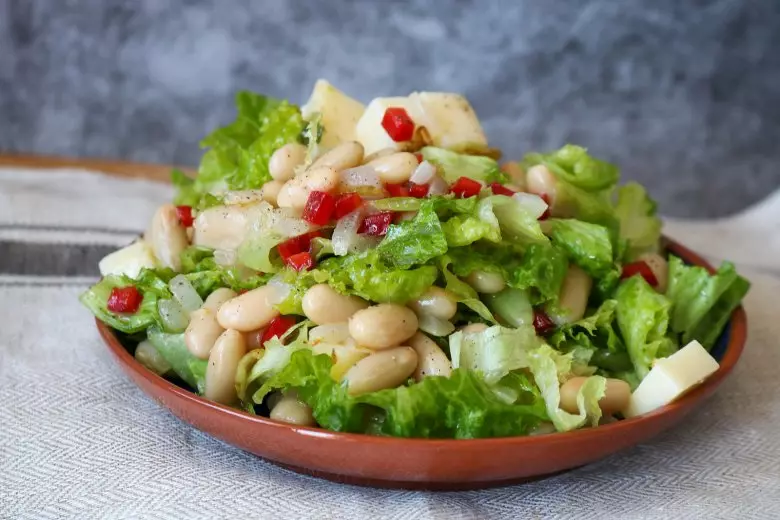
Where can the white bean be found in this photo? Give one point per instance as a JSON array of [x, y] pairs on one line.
[[283, 161], [473, 328], [516, 173], [541, 181], [332, 333], [270, 191], [431, 359], [616, 395], [221, 369], [436, 302], [346, 155], [225, 227], [395, 168], [295, 192], [574, 295], [383, 326], [290, 410], [660, 268], [486, 282], [323, 304], [386, 369], [167, 236], [215, 300], [250, 311], [202, 332]]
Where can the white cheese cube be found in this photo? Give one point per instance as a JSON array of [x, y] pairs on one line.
[[340, 113], [450, 120], [670, 378], [369, 130], [129, 260]]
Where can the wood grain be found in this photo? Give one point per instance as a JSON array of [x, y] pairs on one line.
[[155, 172]]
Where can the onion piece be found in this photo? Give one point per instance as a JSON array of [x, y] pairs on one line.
[[288, 226], [232, 198], [423, 173], [533, 204], [173, 316], [365, 175], [281, 290], [435, 326], [336, 333], [184, 293], [225, 257], [148, 356], [438, 186], [345, 234]]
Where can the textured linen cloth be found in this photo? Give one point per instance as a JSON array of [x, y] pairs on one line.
[[79, 440]]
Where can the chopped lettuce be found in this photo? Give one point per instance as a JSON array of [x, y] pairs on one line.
[[511, 306], [172, 348], [541, 270], [643, 319], [463, 291], [461, 406], [516, 223], [640, 227], [414, 241], [453, 165], [702, 302], [495, 351], [587, 245], [573, 165]]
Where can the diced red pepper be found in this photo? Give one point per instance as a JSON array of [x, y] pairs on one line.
[[376, 224], [500, 189], [546, 214], [300, 261], [542, 322], [184, 213], [124, 299], [465, 187], [420, 157], [346, 204], [398, 125], [277, 328], [319, 208], [642, 269], [297, 244], [397, 190], [418, 191]]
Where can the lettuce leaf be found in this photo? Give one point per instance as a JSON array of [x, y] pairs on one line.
[[461, 406], [702, 303], [541, 271], [587, 245], [643, 319], [573, 165], [640, 227], [415, 241], [453, 165], [172, 348], [494, 352], [463, 291]]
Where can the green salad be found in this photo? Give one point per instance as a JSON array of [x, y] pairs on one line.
[[375, 269]]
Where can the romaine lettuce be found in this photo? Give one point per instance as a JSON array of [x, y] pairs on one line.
[[453, 165], [174, 350], [640, 227], [541, 271], [414, 241], [587, 245]]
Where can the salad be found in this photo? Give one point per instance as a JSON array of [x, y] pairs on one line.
[[375, 269]]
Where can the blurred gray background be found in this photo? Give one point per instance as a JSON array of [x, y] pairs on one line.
[[684, 95]]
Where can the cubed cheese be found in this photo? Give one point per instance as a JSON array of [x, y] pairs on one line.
[[129, 260], [340, 113], [670, 378], [369, 130], [450, 120]]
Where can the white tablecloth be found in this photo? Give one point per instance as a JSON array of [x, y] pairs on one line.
[[78, 440]]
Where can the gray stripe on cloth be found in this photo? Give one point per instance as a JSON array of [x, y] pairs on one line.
[[42, 259], [79, 229]]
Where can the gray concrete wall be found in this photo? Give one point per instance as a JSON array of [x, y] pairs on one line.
[[684, 95]]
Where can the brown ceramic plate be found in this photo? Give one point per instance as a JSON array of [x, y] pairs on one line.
[[421, 463]]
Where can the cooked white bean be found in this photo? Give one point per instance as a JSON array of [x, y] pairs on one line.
[[167, 236], [221, 369], [395, 168], [541, 181], [241, 197], [516, 173], [290, 410], [215, 300], [436, 302], [283, 161], [323, 304], [386, 369], [250, 311], [295, 192], [346, 155], [574, 295], [431, 359], [270, 191], [485, 282], [616, 395], [379, 153], [660, 268], [472, 328], [383, 326], [202, 332], [254, 339], [150, 357], [225, 227], [332, 333]]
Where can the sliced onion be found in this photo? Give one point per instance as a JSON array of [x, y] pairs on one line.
[[225, 257], [148, 356], [438, 186], [533, 204], [282, 290], [345, 234], [336, 333], [435, 326], [173, 316], [365, 175], [423, 173], [288, 226], [185, 294], [242, 197]]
